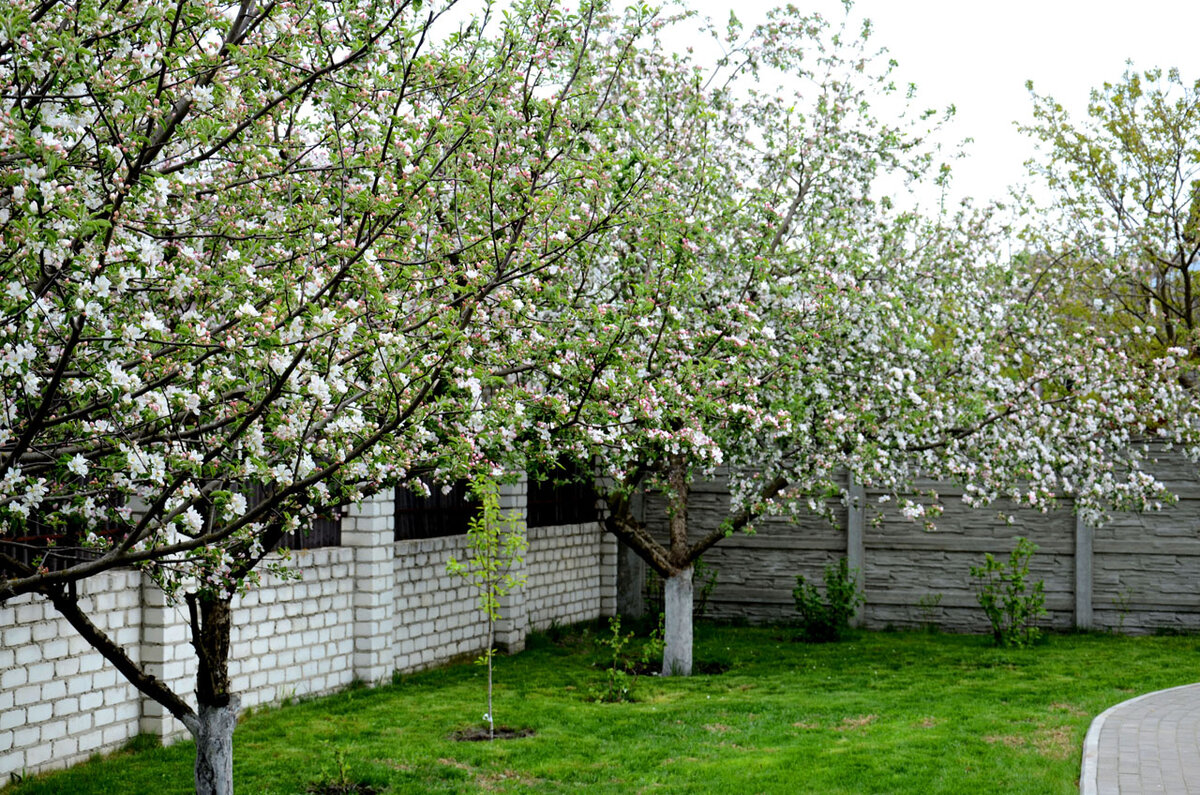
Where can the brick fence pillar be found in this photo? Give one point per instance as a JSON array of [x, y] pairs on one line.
[[166, 655], [608, 573], [514, 620], [369, 529]]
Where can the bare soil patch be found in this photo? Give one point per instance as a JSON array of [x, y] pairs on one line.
[[481, 734]]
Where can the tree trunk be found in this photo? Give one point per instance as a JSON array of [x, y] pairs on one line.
[[212, 727], [213, 731], [677, 601], [677, 634]]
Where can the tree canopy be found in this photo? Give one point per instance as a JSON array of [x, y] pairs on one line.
[[1125, 188], [773, 315], [264, 259]]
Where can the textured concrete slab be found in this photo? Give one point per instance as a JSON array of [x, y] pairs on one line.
[[1147, 744]]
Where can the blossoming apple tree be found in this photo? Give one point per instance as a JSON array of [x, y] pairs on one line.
[[774, 318], [1125, 206], [260, 259]]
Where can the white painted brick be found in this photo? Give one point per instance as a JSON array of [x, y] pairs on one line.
[[38, 754], [27, 736], [68, 666], [66, 747], [128, 710], [90, 741], [15, 637], [80, 684], [77, 645], [14, 677], [12, 717], [39, 712], [66, 706], [12, 763], [126, 636], [78, 724], [53, 730], [104, 678], [115, 734], [174, 670], [46, 630], [27, 695], [54, 649], [91, 662], [54, 690]]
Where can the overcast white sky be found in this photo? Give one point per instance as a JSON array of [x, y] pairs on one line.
[[977, 55]]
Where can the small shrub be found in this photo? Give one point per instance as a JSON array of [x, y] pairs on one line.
[[1010, 604], [623, 670], [928, 606], [339, 781], [1122, 602], [826, 619]]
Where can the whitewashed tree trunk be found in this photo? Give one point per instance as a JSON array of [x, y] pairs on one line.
[[677, 633], [212, 727]]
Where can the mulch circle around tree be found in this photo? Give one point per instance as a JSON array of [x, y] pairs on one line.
[[480, 734], [709, 668]]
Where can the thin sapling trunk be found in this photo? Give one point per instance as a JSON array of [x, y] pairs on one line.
[[495, 544]]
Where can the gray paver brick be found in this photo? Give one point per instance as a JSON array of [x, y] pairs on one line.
[[1147, 744]]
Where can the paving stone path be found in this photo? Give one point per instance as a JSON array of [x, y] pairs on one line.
[[1147, 744]]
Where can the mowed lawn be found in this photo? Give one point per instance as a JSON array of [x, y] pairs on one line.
[[881, 712]]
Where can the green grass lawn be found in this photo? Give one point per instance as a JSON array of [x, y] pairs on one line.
[[881, 712]]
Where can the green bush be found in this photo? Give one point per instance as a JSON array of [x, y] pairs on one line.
[[1011, 606], [825, 619], [624, 667]]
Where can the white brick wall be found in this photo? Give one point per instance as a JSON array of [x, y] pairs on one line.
[[293, 638], [566, 568], [362, 610], [437, 615], [60, 701]]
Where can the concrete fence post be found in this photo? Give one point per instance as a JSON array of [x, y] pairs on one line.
[[369, 529], [1084, 535], [855, 545], [631, 569]]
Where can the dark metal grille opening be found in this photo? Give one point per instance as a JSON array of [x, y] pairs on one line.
[[59, 545], [567, 497], [58, 549], [439, 514], [324, 531]]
